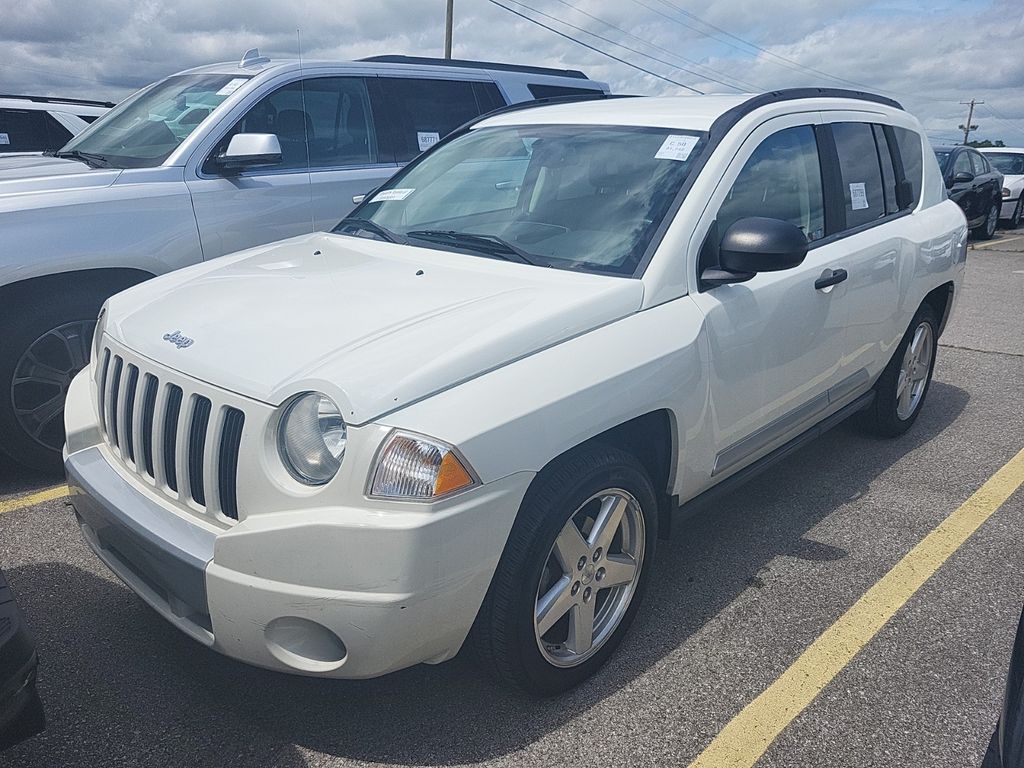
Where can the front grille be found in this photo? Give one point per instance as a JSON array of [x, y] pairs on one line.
[[180, 441]]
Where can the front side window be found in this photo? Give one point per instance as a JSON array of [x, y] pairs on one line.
[[580, 197], [861, 173], [1007, 163], [980, 166], [329, 115], [781, 180], [143, 131], [962, 164]]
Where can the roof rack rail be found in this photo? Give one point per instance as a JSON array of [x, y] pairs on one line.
[[521, 105], [59, 100], [789, 94], [468, 64]]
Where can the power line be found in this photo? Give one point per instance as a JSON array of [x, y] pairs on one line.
[[605, 39], [1002, 120], [744, 83]]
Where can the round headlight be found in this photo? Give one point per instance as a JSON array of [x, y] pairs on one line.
[[311, 438]]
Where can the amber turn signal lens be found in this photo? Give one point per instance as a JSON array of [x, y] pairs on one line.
[[451, 476]]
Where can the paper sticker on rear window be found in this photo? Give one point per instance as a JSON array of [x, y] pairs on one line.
[[677, 147], [232, 85], [392, 194], [858, 196], [4, 138], [427, 139]]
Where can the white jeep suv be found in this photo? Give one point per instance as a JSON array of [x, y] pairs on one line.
[[472, 409]]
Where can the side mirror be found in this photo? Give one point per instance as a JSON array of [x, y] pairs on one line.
[[964, 177], [250, 150], [756, 244]]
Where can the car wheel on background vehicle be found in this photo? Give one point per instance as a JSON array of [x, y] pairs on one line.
[[44, 349], [903, 385], [573, 572], [988, 227], [1018, 212]]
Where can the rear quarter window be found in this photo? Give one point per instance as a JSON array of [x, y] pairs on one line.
[[909, 144]]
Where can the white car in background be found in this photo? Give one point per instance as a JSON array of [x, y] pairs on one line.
[[1010, 162], [35, 124], [477, 403]]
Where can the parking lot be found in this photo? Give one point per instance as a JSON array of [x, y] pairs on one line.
[[738, 594]]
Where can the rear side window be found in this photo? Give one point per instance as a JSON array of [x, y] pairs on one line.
[[861, 173], [29, 130], [781, 180], [909, 145], [547, 91], [416, 113]]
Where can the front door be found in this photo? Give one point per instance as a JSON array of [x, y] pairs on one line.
[[774, 341]]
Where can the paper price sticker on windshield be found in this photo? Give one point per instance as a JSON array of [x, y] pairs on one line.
[[427, 139], [858, 196], [4, 138], [232, 85], [677, 147], [392, 194]]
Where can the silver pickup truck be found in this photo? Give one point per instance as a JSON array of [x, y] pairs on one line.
[[204, 163]]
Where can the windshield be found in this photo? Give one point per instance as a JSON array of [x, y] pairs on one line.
[[143, 131], [943, 157], [1009, 163], [583, 197]]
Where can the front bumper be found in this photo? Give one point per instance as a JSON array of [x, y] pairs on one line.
[[421, 576], [1009, 206]]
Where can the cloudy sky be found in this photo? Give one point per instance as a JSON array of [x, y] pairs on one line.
[[929, 54]]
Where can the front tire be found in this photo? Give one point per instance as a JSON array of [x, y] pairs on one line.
[[573, 572], [48, 342], [901, 389]]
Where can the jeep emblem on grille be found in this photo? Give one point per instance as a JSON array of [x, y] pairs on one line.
[[178, 340]]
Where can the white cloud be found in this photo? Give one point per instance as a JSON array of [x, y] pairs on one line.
[[930, 54]]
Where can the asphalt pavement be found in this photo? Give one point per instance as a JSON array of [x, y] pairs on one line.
[[737, 596]]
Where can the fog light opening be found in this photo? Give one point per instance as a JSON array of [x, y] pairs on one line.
[[304, 645]]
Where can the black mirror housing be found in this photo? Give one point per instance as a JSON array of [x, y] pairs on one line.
[[758, 244], [963, 177]]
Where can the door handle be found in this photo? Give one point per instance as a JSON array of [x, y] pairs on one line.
[[829, 279]]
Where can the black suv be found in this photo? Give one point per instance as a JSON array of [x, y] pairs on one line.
[[974, 185]]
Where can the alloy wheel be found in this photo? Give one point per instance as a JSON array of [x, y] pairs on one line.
[[590, 577], [913, 377], [992, 221], [42, 377]]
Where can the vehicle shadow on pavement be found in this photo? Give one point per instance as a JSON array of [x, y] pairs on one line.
[[121, 687], [17, 479]]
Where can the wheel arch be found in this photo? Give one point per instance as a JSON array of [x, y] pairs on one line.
[[114, 279]]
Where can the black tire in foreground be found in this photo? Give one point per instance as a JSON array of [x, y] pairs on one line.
[[48, 340], [901, 389], [573, 572]]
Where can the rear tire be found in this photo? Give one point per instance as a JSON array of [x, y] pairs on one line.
[[901, 389], [547, 623], [1018, 213], [988, 227], [48, 342]]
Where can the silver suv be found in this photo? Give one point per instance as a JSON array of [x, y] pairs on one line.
[[203, 163]]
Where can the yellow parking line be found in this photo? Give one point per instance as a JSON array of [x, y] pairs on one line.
[[22, 502], [748, 735], [1000, 242]]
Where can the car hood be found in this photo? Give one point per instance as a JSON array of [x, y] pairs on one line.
[[374, 325], [40, 173]]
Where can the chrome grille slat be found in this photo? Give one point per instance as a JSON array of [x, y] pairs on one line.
[[175, 434]]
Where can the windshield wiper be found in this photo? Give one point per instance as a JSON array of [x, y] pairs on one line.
[[491, 245], [89, 158], [369, 226]]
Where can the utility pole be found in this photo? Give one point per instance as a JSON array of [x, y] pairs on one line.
[[448, 30], [968, 127]]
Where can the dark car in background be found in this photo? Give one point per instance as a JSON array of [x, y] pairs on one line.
[[1007, 747], [974, 185], [21, 711]]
